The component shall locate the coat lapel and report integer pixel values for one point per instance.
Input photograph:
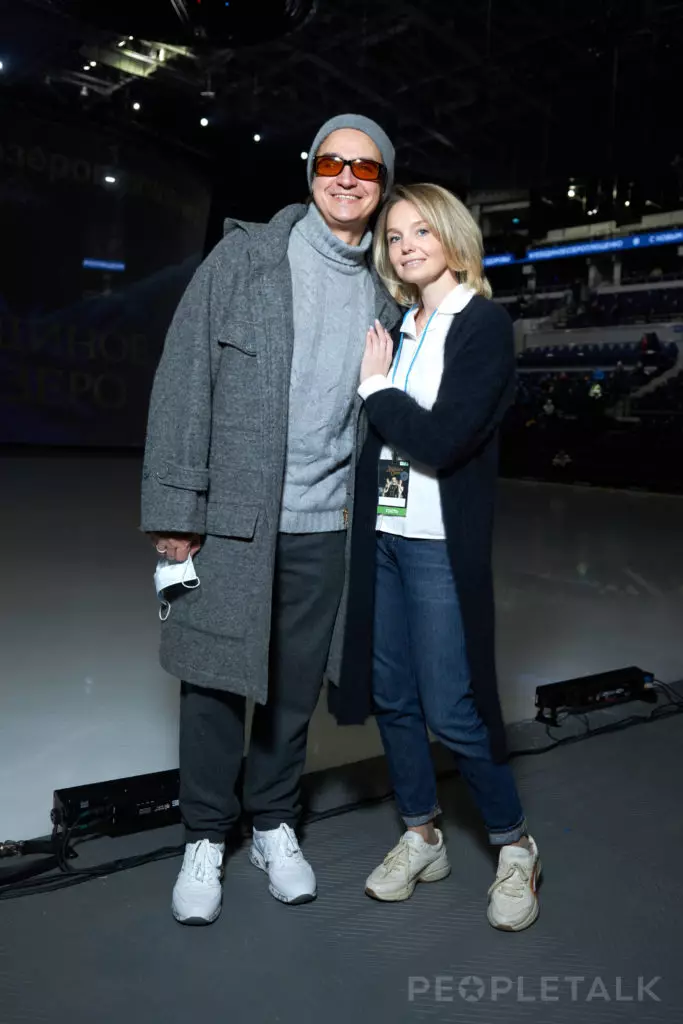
(273, 294)
(272, 300)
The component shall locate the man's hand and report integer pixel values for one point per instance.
(176, 546)
(379, 350)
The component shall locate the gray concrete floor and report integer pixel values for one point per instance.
(606, 814)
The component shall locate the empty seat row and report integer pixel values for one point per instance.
(648, 351)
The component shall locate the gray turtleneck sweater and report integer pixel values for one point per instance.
(333, 297)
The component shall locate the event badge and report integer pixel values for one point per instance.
(392, 484)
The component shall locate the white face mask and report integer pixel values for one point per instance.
(172, 574)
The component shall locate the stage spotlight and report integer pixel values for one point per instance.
(204, 122)
(257, 138)
(304, 155)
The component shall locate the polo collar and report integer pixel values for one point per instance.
(454, 302)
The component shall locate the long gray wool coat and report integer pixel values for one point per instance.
(215, 453)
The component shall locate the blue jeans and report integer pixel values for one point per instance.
(421, 680)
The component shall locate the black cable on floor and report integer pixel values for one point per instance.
(22, 883)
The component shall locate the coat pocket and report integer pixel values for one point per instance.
(239, 334)
(238, 521)
(187, 478)
(232, 567)
(237, 393)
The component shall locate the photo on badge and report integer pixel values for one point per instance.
(392, 487)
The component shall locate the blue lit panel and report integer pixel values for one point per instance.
(500, 260)
(606, 245)
(558, 252)
(103, 265)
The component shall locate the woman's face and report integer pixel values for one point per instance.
(415, 252)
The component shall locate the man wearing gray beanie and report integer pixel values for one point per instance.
(247, 487)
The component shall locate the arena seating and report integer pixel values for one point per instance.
(595, 413)
(647, 306)
(649, 351)
(576, 418)
(598, 309)
(575, 394)
(668, 398)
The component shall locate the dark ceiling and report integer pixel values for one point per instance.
(485, 93)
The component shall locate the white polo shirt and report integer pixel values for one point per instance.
(423, 519)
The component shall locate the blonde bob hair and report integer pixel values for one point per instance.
(453, 225)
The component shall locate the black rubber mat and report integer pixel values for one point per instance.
(607, 815)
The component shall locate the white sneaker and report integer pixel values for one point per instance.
(277, 853)
(411, 861)
(513, 903)
(198, 892)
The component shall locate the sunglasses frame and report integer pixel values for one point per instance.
(381, 168)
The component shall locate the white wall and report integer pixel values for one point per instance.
(586, 580)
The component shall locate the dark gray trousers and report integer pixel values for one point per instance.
(307, 588)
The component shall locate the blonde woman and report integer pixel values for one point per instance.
(420, 637)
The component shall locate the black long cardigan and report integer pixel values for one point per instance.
(459, 438)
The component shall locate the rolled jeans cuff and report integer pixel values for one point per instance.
(502, 837)
(413, 820)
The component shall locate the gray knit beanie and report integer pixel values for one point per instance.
(361, 124)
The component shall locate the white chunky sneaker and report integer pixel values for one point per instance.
(513, 903)
(198, 892)
(411, 861)
(277, 853)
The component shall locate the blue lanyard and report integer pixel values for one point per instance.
(417, 352)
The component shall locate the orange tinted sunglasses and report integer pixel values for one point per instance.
(364, 170)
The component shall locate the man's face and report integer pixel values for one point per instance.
(345, 202)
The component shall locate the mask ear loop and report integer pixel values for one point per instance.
(193, 584)
(165, 608)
